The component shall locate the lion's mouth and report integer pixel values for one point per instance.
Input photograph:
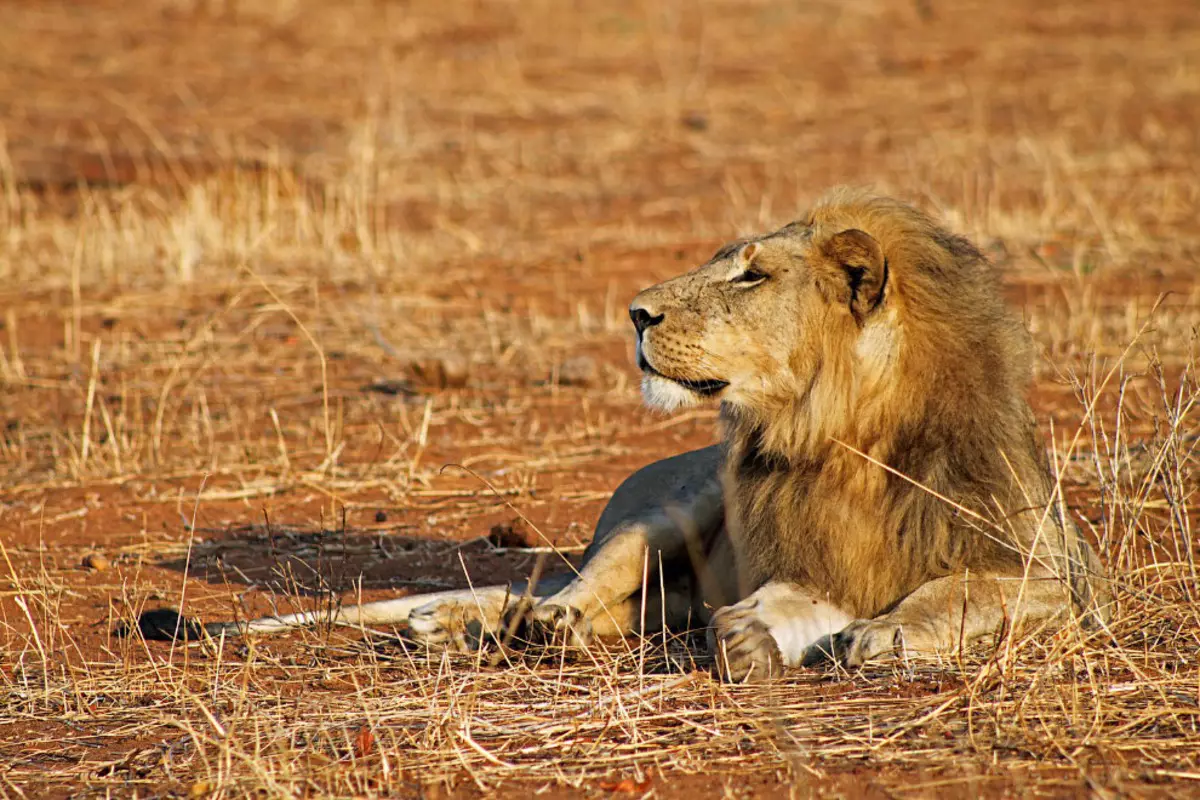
(706, 387)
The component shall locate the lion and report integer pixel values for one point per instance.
(880, 486)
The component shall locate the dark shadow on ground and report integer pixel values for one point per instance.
(308, 562)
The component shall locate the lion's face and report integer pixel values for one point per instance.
(755, 322)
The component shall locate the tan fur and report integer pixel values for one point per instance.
(877, 435)
(880, 470)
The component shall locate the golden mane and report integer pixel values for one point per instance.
(932, 386)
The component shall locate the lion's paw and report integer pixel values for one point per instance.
(553, 623)
(742, 644)
(857, 643)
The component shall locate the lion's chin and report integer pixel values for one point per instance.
(664, 394)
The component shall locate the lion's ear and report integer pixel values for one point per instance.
(747, 253)
(859, 271)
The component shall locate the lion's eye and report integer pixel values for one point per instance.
(748, 277)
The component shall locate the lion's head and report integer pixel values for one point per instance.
(812, 331)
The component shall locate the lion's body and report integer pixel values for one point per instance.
(880, 481)
(932, 387)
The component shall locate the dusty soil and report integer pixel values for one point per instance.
(307, 298)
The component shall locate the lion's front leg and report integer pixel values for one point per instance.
(770, 629)
(944, 614)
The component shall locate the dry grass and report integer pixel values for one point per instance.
(225, 240)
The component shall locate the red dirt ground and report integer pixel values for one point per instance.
(489, 185)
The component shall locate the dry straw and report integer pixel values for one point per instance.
(202, 332)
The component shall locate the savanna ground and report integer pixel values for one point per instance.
(302, 300)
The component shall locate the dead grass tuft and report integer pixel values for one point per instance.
(267, 267)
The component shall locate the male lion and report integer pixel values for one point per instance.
(880, 484)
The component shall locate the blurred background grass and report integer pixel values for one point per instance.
(267, 263)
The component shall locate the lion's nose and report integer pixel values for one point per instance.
(642, 318)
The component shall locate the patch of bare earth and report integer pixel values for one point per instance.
(300, 300)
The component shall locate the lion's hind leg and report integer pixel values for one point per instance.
(604, 599)
(458, 619)
(465, 619)
(644, 612)
(461, 620)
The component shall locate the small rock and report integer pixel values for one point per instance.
(578, 371)
(96, 562)
(381, 516)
